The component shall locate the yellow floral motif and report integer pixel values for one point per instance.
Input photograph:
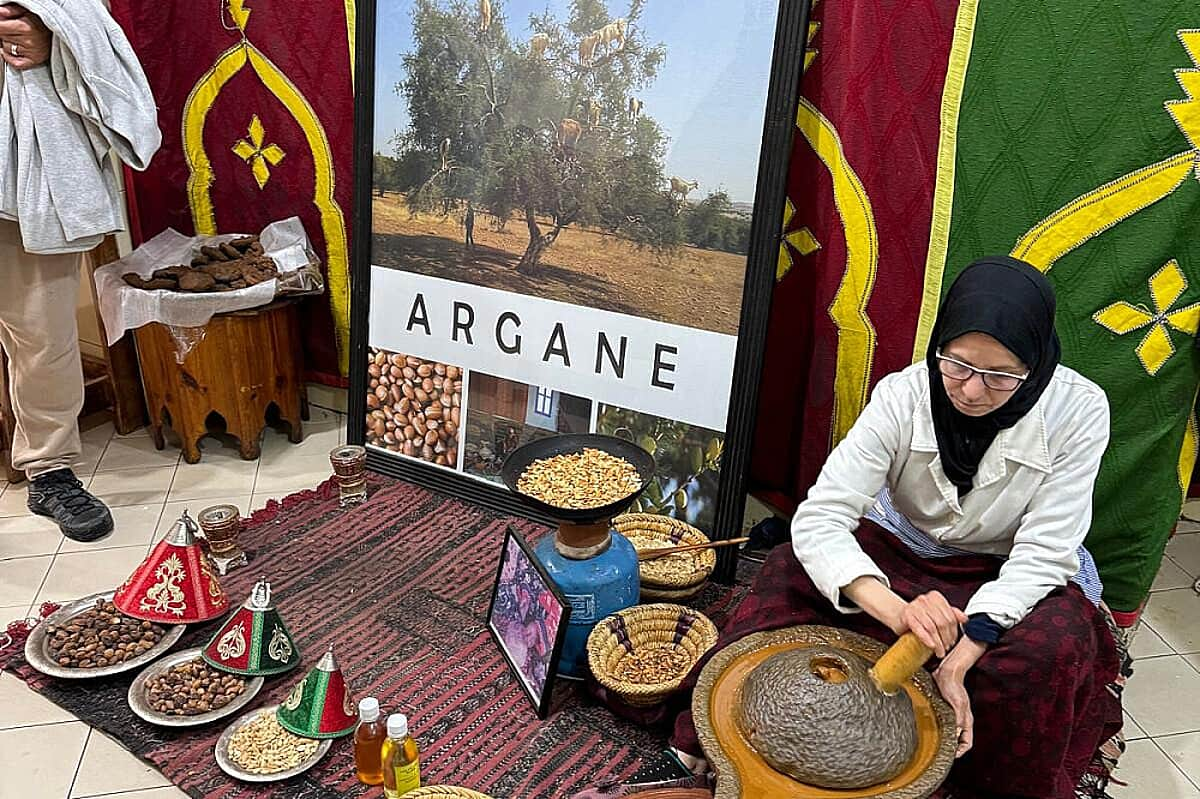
(1156, 348)
(260, 158)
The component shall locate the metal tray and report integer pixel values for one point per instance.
(38, 653)
(141, 706)
(229, 767)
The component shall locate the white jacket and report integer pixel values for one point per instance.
(59, 122)
(1031, 500)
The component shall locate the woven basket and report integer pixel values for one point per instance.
(643, 629)
(674, 572)
(652, 594)
(444, 790)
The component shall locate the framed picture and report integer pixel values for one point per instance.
(528, 617)
(567, 219)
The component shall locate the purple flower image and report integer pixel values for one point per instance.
(526, 616)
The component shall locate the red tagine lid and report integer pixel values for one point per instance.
(254, 640)
(176, 583)
(321, 705)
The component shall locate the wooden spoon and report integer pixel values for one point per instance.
(651, 554)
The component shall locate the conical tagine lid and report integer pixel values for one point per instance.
(253, 641)
(321, 705)
(176, 583)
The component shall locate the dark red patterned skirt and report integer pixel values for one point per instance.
(1039, 696)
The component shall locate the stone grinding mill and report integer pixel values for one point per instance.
(815, 712)
(595, 566)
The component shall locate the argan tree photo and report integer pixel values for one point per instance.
(531, 163)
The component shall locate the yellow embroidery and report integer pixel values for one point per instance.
(349, 706)
(195, 114)
(1097, 211)
(1166, 286)
(165, 596)
(856, 335)
(802, 239)
(260, 158)
(1186, 113)
(810, 53)
(1187, 454)
(215, 594)
(943, 190)
(351, 21)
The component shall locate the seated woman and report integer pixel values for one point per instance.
(974, 471)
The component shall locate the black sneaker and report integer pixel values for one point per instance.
(59, 495)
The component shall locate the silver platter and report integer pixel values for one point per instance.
(229, 767)
(37, 651)
(140, 705)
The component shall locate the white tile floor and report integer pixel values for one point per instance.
(148, 489)
(45, 753)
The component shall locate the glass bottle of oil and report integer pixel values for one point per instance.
(401, 759)
(368, 742)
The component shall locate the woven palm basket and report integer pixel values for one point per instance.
(686, 571)
(661, 641)
(430, 791)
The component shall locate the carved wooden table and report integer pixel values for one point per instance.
(247, 361)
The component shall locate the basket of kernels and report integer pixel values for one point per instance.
(642, 654)
(670, 577)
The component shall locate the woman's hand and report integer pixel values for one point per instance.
(933, 620)
(950, 676)
(950, 683)
(27, 33)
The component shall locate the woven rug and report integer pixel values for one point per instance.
(400, 586)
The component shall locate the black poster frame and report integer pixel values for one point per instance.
(770, 196)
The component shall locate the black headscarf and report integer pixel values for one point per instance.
(1013, 303)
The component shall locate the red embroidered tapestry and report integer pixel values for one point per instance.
(256, 107)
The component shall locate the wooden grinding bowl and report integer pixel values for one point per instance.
(743, 774)
(671, 577)
(642, 629)
(444, 791)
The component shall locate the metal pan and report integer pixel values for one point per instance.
(139, 703)
(515, 465)
(37, 651)
(229, 767)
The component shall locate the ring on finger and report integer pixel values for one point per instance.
(15, 49)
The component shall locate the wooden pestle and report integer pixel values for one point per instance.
(897, 665)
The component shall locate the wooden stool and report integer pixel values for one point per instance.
(246, 361)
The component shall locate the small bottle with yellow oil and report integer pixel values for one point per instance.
(401, 759)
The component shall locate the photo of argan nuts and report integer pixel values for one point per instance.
(233, 252)
(413, 406)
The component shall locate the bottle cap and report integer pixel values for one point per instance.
(368, 709)
(397, 725)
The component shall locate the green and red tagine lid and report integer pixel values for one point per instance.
(321, 705)
(253, 641)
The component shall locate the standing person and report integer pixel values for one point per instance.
(956, 507)
(469, 223)
(47, 187)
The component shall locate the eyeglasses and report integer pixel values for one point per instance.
(996, 381)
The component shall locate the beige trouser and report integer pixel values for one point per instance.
(38, 333)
